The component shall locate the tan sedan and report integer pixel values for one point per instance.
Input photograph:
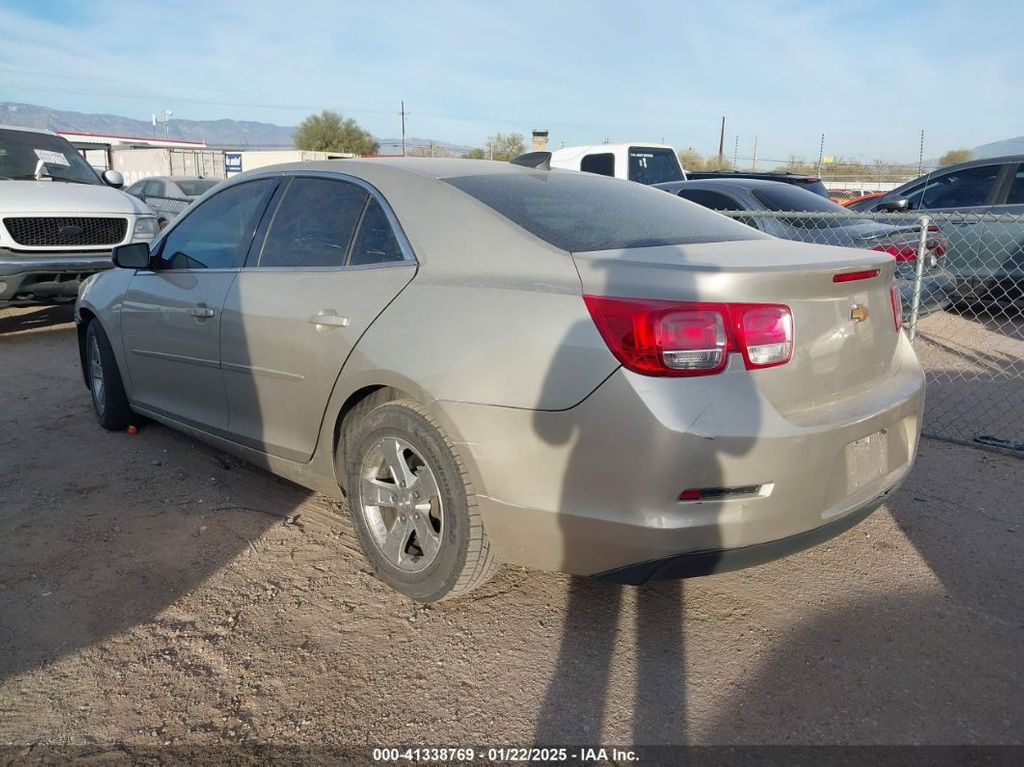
(503, 364)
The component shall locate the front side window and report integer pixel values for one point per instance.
(376, 242)
(314, 224)
(216, 234)
(969, 187)
(603, 164)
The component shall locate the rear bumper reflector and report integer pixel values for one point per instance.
(866, 274)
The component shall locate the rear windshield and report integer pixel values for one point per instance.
(787, 197)
(649, 165)
(579, 212)
(197, 187)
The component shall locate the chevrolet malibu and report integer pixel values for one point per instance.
(494, 363)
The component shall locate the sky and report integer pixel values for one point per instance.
(868, 75)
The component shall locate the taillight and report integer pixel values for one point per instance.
(766, 335)
(669, 338)
(901, 251)
(897, 305)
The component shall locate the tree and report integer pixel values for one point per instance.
(691, 160)
(954, 157)
(712, 163)
(503, 148)
(476, 153)
(330, 132)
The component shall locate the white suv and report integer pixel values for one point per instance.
(58, 220)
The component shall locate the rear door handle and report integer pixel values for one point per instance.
(328, 318)
(201, 312)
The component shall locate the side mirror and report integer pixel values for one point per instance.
(113, 178)
(135, 255)
(894, 206)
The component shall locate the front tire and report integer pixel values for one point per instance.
(109, 401)
(412, 504)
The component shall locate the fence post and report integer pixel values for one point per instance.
(922, 251)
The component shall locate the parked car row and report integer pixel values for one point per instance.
(834, 225)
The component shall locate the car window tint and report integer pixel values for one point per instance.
(713, 200)
(1016, 194)
(964, 188)
(580, 212)
(603, 164)
(314, 224)
(376, 242)
(653, 165)
(216, 234)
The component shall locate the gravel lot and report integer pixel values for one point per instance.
(154, 591)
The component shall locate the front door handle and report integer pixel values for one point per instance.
(201, 312)
(328, 318)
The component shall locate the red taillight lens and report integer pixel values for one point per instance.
(766, 336)
(897, 305)
(901, 251)
(668, 338)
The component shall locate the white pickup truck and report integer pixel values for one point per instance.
(59, 220)
(643, 163)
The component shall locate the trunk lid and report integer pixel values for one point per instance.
(834, 357)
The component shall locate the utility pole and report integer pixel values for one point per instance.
(920, 155)
(721, 143)
(821, 153)
(403, 127)
(754, 166)
(735, 152)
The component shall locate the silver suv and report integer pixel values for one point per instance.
(59, 220)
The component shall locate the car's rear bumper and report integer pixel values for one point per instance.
(596, 488)
(40, 277)
(695, 563)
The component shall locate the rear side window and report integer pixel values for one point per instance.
(579, 212)
(314, 224)
(713, 200)
(603, 164)
(376, 243)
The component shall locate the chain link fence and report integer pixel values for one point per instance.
(166, 208)
(961, 279)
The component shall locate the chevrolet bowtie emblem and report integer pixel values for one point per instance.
(859, 313)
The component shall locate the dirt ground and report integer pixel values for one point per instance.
(154, 591)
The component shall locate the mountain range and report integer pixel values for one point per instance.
(230, 134)
(250, 134)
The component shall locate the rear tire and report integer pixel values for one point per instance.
(109, 401)
(412, 504)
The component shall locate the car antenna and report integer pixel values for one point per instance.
(538, 160)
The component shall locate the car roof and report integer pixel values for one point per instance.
(726, 183)
(1004, 160)
(426, 167)
(568, 152)
(175, 178)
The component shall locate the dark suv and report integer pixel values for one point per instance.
(987, 255)
(810, 183)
